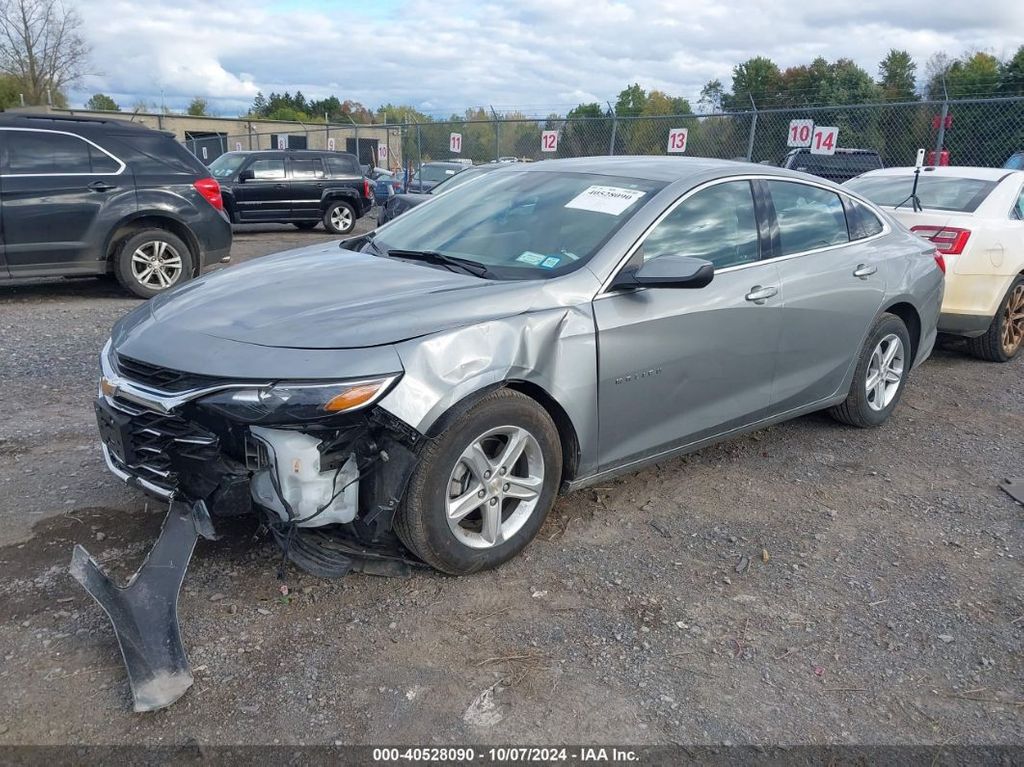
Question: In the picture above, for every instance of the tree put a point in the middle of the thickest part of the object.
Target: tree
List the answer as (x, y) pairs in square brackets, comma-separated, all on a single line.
[(631, 101), (40, 45), (759, 79), (711, 95), (897, 76), (1011, 75), (935, 74), (197, 107), (101, 102), (975, 76)]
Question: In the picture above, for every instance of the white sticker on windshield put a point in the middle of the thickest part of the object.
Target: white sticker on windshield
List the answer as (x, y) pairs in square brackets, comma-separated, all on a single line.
[(605, 199), (529, 257)]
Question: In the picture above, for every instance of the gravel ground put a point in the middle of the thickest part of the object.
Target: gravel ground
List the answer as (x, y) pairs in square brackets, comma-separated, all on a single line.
[(809, 583)]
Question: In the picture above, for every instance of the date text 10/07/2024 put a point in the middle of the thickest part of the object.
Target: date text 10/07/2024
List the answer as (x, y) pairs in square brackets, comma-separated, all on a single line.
[(505, 754)]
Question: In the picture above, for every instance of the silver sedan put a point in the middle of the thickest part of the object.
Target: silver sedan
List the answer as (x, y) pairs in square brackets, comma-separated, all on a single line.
[(423, 393)]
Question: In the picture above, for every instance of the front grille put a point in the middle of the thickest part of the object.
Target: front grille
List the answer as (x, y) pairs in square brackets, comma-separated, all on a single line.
[(162, 378), (154, 437)]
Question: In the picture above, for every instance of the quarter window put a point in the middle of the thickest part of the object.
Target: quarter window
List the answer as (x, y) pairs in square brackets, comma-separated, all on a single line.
[(860, 220), (1018, 209), (305, 169), (717, 224), (35, 152), (343, 166), (268, 169), (809, 217)]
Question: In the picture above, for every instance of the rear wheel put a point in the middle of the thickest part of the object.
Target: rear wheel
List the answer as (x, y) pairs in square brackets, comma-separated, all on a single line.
[(305, 225), (152, 261), (339, 218), (881, 373), (484, 486), (1005, 336)]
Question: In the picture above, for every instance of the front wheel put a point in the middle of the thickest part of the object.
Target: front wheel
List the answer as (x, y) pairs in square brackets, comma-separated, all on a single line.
[(484, 486), (1005, 336), (882, 369), (339, 218), (152, 261)]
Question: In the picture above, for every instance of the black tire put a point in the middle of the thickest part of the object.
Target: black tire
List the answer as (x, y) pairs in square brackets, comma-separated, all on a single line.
[(422, 523), (1000, 343), (305, 226), (149, 241), (340, 218), (858, 409)]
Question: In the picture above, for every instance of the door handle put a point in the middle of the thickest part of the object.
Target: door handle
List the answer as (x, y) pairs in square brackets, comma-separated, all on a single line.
[(279, 186), (864, 270), (759, 294), (101, 186)]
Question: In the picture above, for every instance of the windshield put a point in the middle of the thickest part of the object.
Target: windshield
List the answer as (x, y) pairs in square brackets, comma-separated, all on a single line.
[(962, 195), (521, 225), (451, 182), (434, 173), (226, 165)]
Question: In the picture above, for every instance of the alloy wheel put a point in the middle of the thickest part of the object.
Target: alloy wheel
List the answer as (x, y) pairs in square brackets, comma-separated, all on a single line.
[(156, 264), (885, 372), (494, 487), (1013, 322), (341, 218)]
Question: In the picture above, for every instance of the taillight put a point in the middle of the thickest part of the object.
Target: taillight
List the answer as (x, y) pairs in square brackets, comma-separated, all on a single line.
[(210, 190), (940, 261), (948, 240), (367, 189)]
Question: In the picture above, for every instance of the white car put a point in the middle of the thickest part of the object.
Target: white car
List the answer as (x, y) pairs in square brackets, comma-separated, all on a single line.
[(975, 217)]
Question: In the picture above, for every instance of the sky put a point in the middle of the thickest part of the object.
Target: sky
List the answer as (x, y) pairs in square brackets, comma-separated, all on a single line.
[(538, 56)]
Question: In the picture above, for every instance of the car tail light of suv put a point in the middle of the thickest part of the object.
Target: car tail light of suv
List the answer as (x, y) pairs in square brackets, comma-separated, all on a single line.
[(948, 240), (367, 189), (210, 190)]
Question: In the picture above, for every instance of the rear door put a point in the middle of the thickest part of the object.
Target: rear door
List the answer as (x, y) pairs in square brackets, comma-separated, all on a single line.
[(266, 196), (306, 176), (833, 288), (54, 191)]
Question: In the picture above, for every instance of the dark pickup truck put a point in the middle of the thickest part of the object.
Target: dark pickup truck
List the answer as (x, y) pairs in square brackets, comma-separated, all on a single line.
[(839, 167), (300, 187)]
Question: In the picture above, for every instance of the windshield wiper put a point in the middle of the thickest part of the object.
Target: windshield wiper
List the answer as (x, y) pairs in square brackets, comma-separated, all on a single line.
[(452, 263)]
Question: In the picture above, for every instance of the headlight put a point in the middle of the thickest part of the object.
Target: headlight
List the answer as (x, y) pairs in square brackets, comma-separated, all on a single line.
[(297, 402)]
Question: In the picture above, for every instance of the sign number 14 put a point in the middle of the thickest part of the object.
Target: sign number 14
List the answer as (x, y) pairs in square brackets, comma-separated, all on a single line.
[(824, 140)]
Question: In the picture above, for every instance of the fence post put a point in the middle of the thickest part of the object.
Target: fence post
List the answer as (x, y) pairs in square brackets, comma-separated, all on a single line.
[(497, 134), (615, 125), (419, 154), (940, 138), (327, 131), (753, 131)]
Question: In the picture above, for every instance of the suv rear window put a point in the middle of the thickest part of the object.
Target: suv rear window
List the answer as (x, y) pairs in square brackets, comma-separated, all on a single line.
[(935, 192), (35, 152), (343, 165), (156, 153)]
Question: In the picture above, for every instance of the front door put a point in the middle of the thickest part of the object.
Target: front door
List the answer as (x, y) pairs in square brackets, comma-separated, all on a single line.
[(676, 365), (266, 196), (56, 187), (306, 176), (834, 288)]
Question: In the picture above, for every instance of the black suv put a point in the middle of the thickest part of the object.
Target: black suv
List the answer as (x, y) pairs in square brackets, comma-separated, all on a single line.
[(85, 196), (839, 167), (294, 186)]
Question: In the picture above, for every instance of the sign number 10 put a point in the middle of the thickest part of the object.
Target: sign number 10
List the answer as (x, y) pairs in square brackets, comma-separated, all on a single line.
[(800, 133)]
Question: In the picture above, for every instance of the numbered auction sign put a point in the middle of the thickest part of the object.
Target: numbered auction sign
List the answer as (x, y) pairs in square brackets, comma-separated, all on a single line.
[(677, 140), (455, 143), (331, 144), (238, 146), (824, 140), (382, 154), (549, 141), (282, 142), (799, 133)]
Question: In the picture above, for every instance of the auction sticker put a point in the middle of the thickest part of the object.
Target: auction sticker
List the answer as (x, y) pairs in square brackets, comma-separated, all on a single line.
[(605, 199), (529, 257)]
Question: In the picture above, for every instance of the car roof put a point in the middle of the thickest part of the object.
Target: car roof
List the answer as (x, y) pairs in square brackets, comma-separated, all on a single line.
[(838, 150), (68, 122), (653, 167), (951, 171)]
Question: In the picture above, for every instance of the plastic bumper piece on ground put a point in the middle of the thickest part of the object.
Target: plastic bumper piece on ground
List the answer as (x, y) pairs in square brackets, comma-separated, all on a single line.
[(145, 612)]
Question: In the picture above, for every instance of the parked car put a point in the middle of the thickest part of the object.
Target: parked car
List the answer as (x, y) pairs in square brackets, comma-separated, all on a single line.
[(1015, 161), (396, 205), (430, 174), (427, 390), (294, 186), (385, 185), (86, 196), (975, 218), (839, 167)]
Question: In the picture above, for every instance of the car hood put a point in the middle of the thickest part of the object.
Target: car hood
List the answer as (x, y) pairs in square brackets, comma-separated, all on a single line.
[(325, 297)]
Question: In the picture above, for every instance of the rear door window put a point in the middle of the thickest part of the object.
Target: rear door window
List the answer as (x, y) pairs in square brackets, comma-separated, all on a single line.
[(306, 168), (809, 217), (49, 153)]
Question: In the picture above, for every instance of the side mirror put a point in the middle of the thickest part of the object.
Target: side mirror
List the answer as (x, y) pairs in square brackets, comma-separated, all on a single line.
[(668, 272), (247, 175)]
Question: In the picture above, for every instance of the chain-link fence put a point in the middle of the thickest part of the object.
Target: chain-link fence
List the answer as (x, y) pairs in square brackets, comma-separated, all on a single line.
[(973, 132)]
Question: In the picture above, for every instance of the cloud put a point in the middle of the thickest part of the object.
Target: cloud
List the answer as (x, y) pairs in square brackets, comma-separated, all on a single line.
[(541, 55)]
